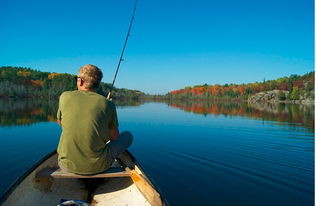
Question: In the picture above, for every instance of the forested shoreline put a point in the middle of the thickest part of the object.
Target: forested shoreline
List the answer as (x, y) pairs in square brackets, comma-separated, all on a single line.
[(21, 82), (294, 88)]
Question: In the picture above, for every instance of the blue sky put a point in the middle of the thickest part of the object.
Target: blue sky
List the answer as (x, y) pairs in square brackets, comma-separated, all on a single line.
[(173, 44)]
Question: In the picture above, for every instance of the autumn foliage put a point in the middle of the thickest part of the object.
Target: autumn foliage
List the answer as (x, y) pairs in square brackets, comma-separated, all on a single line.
[(52, 75), (26, 82), (301, 84)]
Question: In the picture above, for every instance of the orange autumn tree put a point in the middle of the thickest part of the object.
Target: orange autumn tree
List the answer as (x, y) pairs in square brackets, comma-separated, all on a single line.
[(52, 75)]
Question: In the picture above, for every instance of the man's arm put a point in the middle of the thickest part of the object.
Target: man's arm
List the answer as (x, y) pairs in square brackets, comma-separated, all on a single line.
[(114, 133), (59, 115)]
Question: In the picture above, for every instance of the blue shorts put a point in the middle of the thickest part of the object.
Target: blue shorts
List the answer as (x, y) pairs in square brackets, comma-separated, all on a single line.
[(124, 140)]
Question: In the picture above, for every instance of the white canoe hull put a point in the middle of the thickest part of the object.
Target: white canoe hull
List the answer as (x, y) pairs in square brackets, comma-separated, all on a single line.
[(34, 189)]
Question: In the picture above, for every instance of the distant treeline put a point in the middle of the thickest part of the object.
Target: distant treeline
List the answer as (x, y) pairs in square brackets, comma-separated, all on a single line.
[(26, 82), (298, 87)]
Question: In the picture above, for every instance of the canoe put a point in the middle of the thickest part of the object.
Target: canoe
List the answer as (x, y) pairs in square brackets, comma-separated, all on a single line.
[(124, 183)]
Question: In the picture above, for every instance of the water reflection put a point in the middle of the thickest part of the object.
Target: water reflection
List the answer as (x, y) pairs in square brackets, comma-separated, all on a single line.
[(300, 114), (29, 111), (26, 112), (128, 103)]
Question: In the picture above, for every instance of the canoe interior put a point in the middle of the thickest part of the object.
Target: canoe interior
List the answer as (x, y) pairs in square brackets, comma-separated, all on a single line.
[(35, 189)]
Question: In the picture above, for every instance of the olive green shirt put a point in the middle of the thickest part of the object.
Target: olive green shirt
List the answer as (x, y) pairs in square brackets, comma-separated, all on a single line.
[(86, 119)]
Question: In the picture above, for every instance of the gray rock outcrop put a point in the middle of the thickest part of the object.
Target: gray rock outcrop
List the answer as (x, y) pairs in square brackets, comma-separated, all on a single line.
[(268, 96)]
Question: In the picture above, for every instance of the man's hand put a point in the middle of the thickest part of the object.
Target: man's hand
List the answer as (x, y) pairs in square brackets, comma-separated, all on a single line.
[(114, 133)]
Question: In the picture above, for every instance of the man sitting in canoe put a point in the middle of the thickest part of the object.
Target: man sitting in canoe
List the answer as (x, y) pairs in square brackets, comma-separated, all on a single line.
[(89, 122)]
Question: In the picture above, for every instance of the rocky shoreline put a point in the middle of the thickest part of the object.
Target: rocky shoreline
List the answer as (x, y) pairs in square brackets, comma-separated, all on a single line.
[(279, 96)]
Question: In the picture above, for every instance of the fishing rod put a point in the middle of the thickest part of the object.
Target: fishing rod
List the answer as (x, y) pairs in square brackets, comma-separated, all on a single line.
[(123, 50)]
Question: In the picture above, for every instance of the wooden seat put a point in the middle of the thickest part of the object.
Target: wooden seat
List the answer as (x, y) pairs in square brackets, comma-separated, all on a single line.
[(58, 173), (112, 172)]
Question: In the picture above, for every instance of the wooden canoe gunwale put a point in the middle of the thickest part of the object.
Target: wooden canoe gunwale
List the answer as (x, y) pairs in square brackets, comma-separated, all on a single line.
[(163, 199), (22, 177)]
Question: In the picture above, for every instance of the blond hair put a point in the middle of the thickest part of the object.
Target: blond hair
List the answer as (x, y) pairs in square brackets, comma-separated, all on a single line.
[(91, 76)]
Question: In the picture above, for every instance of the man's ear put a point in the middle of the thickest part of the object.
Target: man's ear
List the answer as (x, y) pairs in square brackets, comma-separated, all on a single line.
[(81, 82)]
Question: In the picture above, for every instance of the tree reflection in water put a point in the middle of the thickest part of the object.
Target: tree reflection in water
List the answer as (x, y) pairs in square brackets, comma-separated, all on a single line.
[(292, 113), (29, 111)]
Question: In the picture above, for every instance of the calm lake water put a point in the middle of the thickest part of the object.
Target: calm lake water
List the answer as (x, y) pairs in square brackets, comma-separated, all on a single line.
[(198, 153)]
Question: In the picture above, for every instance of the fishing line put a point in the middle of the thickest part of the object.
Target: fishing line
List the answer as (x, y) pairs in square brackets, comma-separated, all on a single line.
[(123, 50)]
